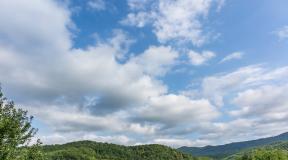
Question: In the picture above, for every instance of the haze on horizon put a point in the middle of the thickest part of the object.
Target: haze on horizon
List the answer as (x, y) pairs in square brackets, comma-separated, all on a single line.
[(173, 72)]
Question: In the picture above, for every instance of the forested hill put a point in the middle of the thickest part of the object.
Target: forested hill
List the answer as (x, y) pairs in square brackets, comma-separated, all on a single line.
[(89, 150), (229, 149), (275, 151)]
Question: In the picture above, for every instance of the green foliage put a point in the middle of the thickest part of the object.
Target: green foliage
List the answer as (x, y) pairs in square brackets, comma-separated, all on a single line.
[(87, 150), (275, 151), (264, 154), (279, 145), (16, 132), (33, 152)]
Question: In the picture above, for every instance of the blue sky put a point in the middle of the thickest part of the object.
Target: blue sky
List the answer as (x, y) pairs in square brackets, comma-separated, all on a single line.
[(239, 27), (174, 72)]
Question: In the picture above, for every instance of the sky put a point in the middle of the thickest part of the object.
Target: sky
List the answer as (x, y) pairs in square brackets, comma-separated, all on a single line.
[(131, 72)]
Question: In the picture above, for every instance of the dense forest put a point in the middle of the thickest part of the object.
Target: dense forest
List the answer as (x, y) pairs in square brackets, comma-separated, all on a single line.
[(88, 150), (276, 151)]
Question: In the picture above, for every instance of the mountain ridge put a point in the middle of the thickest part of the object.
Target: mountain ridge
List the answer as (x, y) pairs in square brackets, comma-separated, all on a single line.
[(231, 148)]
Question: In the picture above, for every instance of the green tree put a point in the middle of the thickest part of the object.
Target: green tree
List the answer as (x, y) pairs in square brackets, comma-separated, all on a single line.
[(16, 133), (265, 154)]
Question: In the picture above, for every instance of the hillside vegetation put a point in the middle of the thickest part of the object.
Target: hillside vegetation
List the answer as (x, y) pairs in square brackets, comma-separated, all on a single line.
[(277, 151), (88, 150)]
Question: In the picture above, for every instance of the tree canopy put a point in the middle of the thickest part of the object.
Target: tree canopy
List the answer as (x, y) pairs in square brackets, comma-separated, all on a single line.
[(16, 132), (89, 150)]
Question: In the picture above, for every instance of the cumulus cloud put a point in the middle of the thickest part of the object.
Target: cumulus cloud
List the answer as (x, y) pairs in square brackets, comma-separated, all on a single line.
[(180, 116), (79, 75), (77, 120), (218, 86), (177, 109), (155, 60), (232, 56), (87, 93), (16, 30), (86, 90), (172, 20), (267, 101), (200, 58), (254, 99)]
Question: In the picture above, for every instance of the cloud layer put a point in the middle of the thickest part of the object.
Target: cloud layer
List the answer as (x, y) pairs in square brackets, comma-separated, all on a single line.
[(76, 90), (106, 93)]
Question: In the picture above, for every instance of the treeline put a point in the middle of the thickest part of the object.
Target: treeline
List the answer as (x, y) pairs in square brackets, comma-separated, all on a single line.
[(88, 150), (276, 151), (264, 154)]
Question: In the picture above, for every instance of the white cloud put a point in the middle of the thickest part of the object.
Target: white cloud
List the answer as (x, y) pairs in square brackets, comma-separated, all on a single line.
[(121, 42), (176, 110), (155, 60), (140, 19), (268, 101), (281, 33), (57, 138), (122, 139), (43, 34), (218, 86), (98, 5), (233, 56), (172, 20), (247, 128), (179, 20), (254, 99), (85, 90), (86, 93), (59, 120), (176, 143), (200, 58)]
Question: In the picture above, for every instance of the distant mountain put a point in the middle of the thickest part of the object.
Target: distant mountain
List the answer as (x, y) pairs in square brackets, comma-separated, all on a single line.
[(232, 148), (89, 150)]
